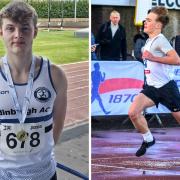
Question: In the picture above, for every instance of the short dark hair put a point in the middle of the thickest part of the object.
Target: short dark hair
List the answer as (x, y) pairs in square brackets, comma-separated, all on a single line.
[(18, 11), (162, 14)]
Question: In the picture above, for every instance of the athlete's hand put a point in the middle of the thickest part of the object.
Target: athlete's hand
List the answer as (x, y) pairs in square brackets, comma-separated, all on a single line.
[(104, 74), (148, 55), (93, 48)]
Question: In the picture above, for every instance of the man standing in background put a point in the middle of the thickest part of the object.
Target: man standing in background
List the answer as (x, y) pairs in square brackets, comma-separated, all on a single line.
[(112, 39)]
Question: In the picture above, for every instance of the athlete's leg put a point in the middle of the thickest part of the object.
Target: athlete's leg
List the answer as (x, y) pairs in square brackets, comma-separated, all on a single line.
[(92, 98), (93, 95), (176, 115), (135, 112), (101, 105)]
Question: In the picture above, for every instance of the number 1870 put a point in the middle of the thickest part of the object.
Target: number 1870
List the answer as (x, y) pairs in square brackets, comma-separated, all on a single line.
[(121, 98)]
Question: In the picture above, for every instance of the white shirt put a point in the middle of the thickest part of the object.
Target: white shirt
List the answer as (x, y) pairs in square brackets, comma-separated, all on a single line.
[(158, 74), (114, 28)]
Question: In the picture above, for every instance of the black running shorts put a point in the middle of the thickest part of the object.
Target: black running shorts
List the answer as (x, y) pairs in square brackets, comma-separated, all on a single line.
[(168, 95)]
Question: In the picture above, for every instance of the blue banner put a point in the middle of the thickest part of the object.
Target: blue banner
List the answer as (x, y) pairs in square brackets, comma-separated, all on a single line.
[(114, 86)]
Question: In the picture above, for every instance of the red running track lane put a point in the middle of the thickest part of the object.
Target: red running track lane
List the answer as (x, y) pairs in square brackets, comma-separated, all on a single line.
[(78, 92), (113, 155)]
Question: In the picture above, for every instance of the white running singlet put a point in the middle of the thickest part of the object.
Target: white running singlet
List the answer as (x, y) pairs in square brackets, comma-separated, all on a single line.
[(26, 151), (158, 74)]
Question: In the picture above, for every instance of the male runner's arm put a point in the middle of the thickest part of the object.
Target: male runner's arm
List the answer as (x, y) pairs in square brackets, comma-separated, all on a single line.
[(60, 104), (170, 58)]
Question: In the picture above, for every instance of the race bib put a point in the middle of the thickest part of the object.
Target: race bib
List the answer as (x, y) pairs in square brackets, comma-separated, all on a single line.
[(17, 139)]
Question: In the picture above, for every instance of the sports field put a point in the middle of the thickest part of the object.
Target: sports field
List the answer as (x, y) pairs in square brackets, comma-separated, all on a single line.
[(59, 46)]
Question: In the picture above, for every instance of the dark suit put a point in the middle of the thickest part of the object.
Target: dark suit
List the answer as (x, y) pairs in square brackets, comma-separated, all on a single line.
[(112, 48)]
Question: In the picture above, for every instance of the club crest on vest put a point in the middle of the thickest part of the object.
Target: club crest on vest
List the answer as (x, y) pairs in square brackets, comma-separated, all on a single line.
[(42, 94)]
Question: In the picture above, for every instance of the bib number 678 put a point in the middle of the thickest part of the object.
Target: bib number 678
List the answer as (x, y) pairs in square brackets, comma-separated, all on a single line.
[(12, 141)]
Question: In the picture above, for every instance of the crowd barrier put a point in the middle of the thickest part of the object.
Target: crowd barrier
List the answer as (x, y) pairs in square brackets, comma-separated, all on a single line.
[(72, 171), (114, 84)]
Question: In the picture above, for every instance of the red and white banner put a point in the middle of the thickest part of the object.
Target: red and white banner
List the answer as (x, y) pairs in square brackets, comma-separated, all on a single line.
[(114, 86)]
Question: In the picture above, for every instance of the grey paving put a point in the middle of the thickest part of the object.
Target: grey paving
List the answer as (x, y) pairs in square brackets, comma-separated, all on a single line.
[(72, 150)]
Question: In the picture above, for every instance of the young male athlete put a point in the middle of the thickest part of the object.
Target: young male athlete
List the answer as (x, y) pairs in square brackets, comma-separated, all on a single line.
[(159, 58), (33, 96)]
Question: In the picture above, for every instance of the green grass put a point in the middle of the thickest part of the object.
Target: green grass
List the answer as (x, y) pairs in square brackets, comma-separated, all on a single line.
[(61, 47)]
